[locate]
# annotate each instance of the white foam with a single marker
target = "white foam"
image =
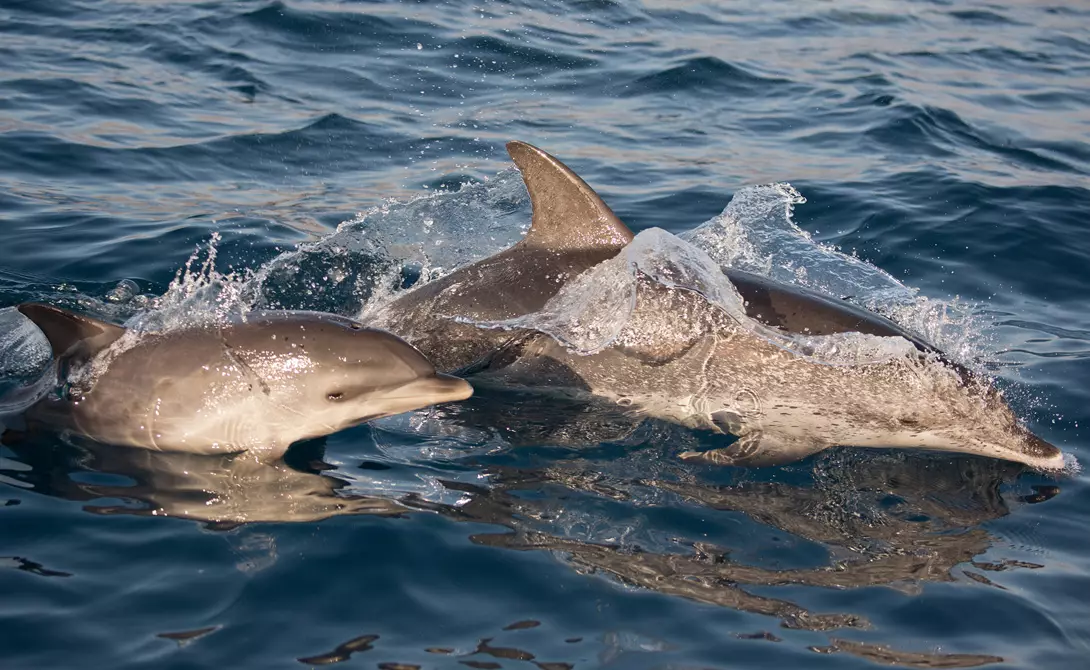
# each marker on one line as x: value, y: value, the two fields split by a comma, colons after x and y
x: 757, y: 233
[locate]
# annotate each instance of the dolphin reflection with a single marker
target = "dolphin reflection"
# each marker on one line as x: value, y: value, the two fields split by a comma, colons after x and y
x: 900, y: 522
x: 221, y: 490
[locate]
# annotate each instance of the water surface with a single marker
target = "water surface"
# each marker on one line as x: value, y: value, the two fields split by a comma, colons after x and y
x: 944, y: 144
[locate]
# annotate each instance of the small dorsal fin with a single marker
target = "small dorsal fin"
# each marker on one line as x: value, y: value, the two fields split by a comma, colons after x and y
x: 64, y: 329
x: 567, y: 214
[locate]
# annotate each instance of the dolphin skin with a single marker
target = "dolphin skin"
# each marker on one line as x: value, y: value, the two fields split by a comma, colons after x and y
x: 683, y: 359
x: 254, y: 384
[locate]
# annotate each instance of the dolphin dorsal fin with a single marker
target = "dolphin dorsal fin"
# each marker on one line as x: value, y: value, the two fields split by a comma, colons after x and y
x: 568, y: 214
x: 64, y: 329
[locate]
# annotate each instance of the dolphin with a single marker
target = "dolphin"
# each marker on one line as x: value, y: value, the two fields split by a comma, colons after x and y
x: 682, y: 358
x: 571, y: 231
x: 256, y: 383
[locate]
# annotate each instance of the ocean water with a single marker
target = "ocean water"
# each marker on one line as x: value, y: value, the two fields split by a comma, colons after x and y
x: 165, y: 161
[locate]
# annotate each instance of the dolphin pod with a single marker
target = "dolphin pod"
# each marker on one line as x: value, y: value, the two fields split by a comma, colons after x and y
x: 275, y: 378
x: 255, y: 385
x: 679, y: 357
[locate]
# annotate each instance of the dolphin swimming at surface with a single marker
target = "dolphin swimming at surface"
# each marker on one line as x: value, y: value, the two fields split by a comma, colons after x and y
x: 682, y: 358
x: 256, y: 383
x: 572, y: 231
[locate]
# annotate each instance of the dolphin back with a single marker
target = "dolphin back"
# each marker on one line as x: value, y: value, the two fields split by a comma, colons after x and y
x: 571, y: 231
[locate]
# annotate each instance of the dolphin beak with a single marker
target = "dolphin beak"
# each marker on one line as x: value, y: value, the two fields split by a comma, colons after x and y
x: 1037, y: 453
x: 439, y: 388
x: 417, y: 394
x: 424, y: 391
x: 1019, y: 446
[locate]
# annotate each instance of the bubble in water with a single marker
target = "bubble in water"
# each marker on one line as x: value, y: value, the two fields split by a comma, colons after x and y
x: 142, y: 301
x: 25, y: 355
x: 123, y: 292
x: 24, y: 351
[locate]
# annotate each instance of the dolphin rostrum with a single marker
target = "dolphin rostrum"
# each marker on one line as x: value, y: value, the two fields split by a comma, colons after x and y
x: 680, y: 357
x: 256, y: 383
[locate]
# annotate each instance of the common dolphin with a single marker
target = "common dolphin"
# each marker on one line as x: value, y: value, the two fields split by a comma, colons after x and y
x: 571, y: 231
x: 256, y: 383
x: 680, y: 357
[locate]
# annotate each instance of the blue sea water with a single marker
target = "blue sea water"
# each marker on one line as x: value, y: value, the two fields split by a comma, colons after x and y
x: 946, y: 144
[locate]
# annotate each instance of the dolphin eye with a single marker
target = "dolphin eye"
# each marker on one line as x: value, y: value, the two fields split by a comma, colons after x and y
x: 335, y: 396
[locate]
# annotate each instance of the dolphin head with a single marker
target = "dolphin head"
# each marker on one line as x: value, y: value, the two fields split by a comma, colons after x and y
x: 922, y: 404
x: 328, y: 373
x: 995, y: 431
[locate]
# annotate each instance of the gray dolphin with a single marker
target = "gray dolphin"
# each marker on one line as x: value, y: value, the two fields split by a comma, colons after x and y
x: 256, y: 383
x: 683, y: 359
x: 572, y: 230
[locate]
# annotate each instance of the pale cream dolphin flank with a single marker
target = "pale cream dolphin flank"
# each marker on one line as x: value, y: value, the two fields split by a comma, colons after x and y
x: 683, y: 359
x: 256, y: 384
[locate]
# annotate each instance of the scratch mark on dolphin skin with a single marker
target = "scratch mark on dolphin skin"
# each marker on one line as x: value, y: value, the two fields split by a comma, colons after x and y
x: 265, y: 390
x: 230, y: 352
x: 705, y: 385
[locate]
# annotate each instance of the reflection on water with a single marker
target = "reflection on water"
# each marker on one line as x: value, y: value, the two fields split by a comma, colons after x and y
x: 343, y: 651
x: 883, y: 655
x: 30, y: 566
x: 221, y: 491
x: 899, y: 521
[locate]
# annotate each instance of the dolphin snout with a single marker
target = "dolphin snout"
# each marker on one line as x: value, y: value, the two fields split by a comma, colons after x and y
x: 1040, y: 454
x: 413, y: 395
x: 433, y: 390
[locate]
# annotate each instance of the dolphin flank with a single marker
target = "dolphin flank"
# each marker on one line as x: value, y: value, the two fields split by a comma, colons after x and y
x: 680, y: 357
x: 256, y: 384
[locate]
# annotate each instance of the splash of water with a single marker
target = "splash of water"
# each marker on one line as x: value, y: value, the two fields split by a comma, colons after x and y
x: 757, y: 233
x: 591, y: 312
x: 24, y: 357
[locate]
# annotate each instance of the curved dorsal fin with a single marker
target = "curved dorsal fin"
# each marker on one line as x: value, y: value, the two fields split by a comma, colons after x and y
x: 64, y: 329
x: 567, y: 214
